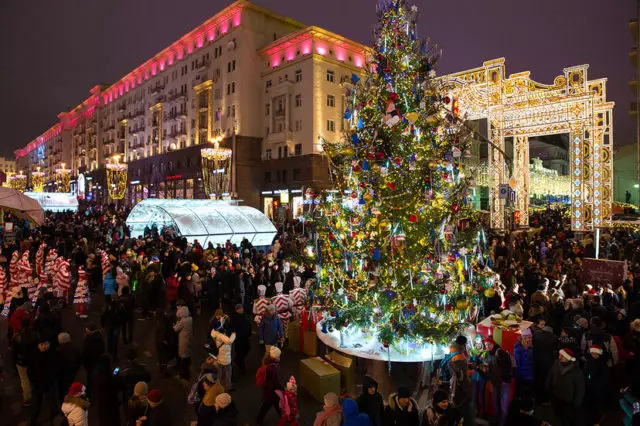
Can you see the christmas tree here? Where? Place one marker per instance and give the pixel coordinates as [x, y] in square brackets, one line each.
[398, 249]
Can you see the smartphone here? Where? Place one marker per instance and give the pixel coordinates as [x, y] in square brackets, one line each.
[115, 370]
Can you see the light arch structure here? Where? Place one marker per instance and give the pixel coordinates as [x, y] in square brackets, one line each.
[518, 107]
[203, 220]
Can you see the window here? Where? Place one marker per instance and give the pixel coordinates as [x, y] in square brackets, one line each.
[331, 126]
[298, 100]
[267, 154]
[231, 66]
[286, 151]
[298, 151]
[279, 152]
[233, 110]
[269, 83]
[331, 101]
[267, 177]
[266, 131]
[296, 175]
[228, 88]
[217, 94]
[233, 87]
[298, 76]
[331, 76]
[267, 109]
[284, 176]
[228, 110]
[298, 125]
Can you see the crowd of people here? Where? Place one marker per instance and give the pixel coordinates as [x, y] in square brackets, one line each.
[579, 349]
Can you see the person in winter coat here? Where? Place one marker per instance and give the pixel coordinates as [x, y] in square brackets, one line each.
[173, 283]
[289, 404]
[69, 362]
[159, 413]
[122, 280]
[165, 340]
[597, 384]
[105, 393]
[352, 417]
[331, 414]
[370, 401]
[441, 413]
[137, 405]
[92, 349]
[272, 384]
[242, 328]
[42, 373]
[270, 331]
[544, 344]
[479, 377]
[226, 411]
[127, 305]
[184, 328]
[224, 344]
[24, 345]
[523, 354]
[402, 409]
[566, 384]
[109, 285]
[501, 369]
[131, 373]
[207, 408]
[75, 406]
[461, 392]
[111, 322]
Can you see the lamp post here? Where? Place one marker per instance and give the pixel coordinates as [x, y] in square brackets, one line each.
[20, 181]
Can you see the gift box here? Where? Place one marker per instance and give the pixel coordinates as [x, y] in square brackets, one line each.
[310, 343]
[346, 366]
[506, 337]
[319, 378]
[293, 334]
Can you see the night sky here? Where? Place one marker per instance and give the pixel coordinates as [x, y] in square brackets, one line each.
[55, 51]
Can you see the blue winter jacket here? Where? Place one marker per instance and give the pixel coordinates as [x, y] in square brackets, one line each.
[524, 362]
[271, 329]
[109, 284]
[352, 417]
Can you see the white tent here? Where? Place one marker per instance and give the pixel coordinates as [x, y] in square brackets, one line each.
[21, 205]
[203, 220]
[55, 201]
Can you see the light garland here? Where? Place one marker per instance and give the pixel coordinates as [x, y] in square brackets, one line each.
[117, 174]
[19, 181]
[37, 180]
[216, 168]
[63, 179]
[546, 182]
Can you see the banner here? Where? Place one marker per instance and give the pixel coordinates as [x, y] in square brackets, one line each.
[602, 272]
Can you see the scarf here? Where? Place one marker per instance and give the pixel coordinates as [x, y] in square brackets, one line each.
[322, 416]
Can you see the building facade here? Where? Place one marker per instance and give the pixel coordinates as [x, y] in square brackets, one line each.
[255, 80]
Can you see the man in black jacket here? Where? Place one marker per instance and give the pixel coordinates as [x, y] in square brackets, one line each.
[131, 373]
[545, 345]
[402, 410]
[127, 304]
[24, 344]
[43, 372]
[370, 401]
[92, 349]
[241, 327]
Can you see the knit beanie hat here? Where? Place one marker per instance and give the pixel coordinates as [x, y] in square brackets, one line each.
[568, 354]
[155, 396]
[77, 389]
[140, 389]
[223, 400]
[439, 396]
[596, 349]
[274, 352]
[64, 338]
[404, 392]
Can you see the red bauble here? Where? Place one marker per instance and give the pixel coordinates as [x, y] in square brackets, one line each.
[354, 195]
[455, 208]
[371, 156]
[393, 97]
[391, 186]
[457, 140]
[380, 155]
[353, 234]
[443, 291]
[447, 308]
[333, 314]
[397, 160]
[447, 99]
[362, 184]
[356, 168]
[413, 218]
[385, 344]
[332, 237]
[350, 297]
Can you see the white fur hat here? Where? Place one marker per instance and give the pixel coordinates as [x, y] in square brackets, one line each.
[262, 290]
[278, 287]
[296, 281]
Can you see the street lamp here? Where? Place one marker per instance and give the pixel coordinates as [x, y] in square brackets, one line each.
[64, 178]
[37, 180]
[117, 178]
[216, 167]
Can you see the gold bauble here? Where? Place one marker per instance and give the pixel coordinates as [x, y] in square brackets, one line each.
[433, 309]
[336, 253]
[367, 196]
[348, 150]
[489, 293]
[462, 304]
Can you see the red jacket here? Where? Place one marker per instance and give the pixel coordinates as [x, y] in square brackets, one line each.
[172, 289]
[17, 317]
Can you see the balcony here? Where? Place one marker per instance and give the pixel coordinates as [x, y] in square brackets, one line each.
[176, 97]
[202, 65]
[109, 142]
[110, 127]
[281, 137]
[156, 89]
[280, 112]
[202, 106]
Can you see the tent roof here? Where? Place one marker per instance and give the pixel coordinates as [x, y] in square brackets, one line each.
[21, 205]
[204, 220]
[55, 201]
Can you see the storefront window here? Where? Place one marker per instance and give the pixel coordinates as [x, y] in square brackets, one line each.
[189, 190]
[298, 207]
[161, 188]
[268, 207]
[179, 189]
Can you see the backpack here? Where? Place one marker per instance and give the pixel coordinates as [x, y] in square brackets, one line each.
[261, 376]
[445, 372]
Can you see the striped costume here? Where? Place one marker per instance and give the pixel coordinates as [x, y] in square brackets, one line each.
[81, 297]
[63, 279]
[4, 285]
[283, 305]
[298, 297]
[13, 269]
[40, 258]
[260, 304]
[50, 263]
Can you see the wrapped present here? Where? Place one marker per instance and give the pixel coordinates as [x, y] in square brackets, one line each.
[319, 377]
[293, 334]
[346, 366]
[310, 343]
[506, 337]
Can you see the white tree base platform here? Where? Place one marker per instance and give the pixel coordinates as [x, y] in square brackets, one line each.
[352, 341]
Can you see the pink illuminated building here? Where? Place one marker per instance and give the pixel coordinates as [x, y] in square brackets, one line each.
[269, 85]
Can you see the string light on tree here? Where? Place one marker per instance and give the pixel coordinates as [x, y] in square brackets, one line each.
[37, 180]
[216, 168]
[396, 236]
[117, 178]
[19, 181]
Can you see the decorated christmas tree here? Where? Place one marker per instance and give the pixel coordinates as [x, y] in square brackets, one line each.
[399, 249]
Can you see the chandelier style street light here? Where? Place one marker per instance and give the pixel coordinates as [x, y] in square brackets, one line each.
[37, 180]
[216, 168]
[64, 179]
[117, 178]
